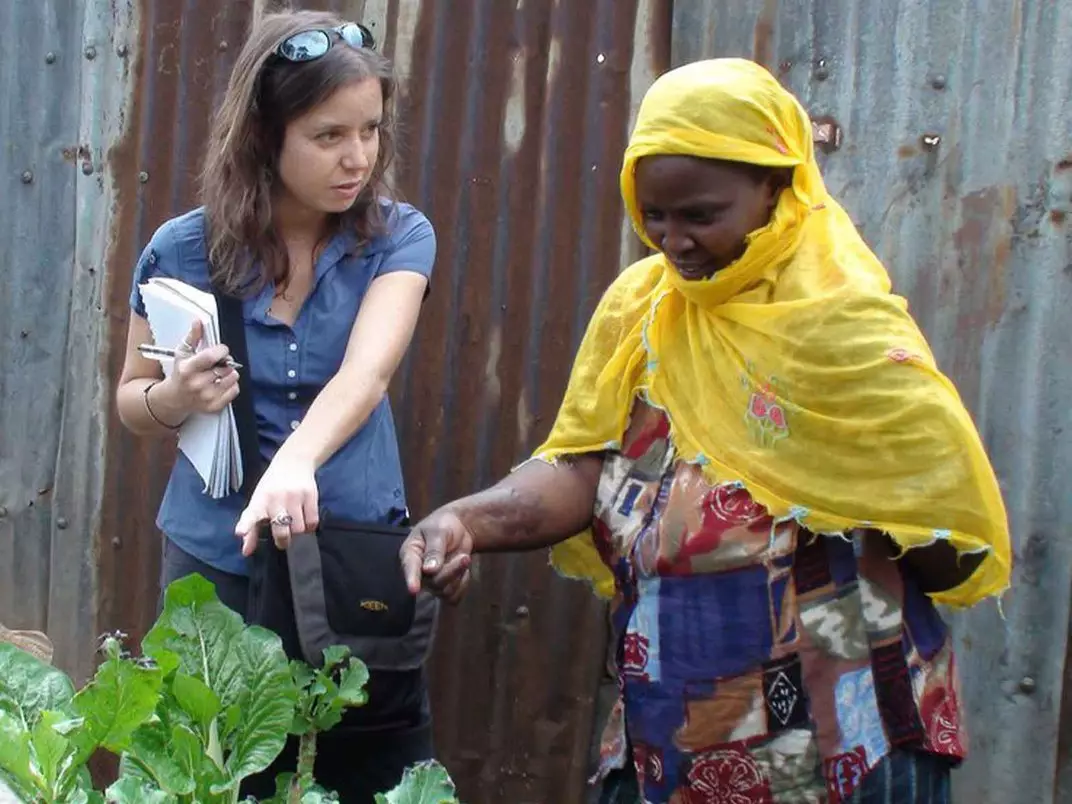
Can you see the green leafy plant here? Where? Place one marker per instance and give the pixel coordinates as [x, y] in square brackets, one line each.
[48, 732]
[426, 783]
[211, 703]
[226, 704]
[323, 695]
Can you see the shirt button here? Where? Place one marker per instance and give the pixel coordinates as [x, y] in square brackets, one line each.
[292, 395]
[294, 347]
[294, 424]
[292, 374]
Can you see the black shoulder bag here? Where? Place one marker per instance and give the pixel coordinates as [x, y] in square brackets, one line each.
[342, 585]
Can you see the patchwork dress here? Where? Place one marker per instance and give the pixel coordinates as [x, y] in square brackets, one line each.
[759, 663]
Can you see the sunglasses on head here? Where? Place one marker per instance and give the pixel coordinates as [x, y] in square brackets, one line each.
[313, 44]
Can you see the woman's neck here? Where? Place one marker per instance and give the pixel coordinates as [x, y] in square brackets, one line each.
[298, 225]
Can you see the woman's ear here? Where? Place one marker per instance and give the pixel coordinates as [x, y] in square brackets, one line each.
[778, 180]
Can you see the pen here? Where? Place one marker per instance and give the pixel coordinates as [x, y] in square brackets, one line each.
[151, 350]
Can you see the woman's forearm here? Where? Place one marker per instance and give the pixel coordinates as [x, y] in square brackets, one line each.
[938, 567]
[158, 413]
[537, 506]
[338, 411]
[380, 336]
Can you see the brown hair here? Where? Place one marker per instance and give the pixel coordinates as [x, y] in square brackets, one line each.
[264, 94]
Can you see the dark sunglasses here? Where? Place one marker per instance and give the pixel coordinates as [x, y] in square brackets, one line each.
[313, 44]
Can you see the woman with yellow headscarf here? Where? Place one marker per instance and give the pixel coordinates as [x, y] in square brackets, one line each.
[759, 459]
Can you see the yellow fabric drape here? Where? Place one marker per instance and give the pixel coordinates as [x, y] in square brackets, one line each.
[795, 371]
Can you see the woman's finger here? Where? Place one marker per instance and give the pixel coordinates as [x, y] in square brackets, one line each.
[246, 529]
[296, 508]
[411, 554]
[281, 519]
[224, 381]
[216, 395]
[189, 344]
[311, 512]
[454, 593]
[207, 358]
[463, 588]
[225, 398]
[205, 387]
[198, 383]
[452, 571]
[280, 534]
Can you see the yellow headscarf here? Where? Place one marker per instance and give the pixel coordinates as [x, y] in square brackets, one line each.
[795, 371]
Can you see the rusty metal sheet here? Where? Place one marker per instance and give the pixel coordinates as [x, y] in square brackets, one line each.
[60, 70]
[33, 308]
[179, 70]
[108, 39]
[514, 117]
[955, 159]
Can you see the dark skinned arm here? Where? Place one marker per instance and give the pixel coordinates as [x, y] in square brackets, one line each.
[542, 504]
[937, 567]
[535, 507]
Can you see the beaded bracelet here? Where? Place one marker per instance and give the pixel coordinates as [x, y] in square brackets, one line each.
[149, 410]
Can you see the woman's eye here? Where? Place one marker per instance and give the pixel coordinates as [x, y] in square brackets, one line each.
[701, 217]
[328, 136]
[370, 132]
[651, 215]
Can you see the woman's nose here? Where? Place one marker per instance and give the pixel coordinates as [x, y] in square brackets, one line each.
[676, 240]
[355, 157]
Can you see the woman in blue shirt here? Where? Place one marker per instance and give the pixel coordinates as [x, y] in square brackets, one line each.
[332, 276]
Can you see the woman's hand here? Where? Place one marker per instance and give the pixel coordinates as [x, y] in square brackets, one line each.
[536, 506]
[197, 382]
[286, 497]
[437, 554]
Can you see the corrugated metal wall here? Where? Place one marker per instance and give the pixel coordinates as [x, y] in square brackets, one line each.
[955, 158]
[181, 58]
[517, 115]
[956, 161]
[65, 80]
[514, 119]
[33, 316]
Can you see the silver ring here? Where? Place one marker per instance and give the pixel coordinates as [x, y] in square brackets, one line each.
[217, 380]
[283, 519]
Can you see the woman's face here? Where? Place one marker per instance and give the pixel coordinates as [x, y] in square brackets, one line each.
[329, 153]
[699, 211]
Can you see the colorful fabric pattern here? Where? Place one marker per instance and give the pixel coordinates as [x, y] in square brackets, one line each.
[903, 777]
[758, 663]
[795, 370]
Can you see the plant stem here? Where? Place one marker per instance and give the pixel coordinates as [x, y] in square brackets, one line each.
[303, 778]
[215, 747]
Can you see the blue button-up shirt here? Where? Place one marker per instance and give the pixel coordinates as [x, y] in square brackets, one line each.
[289, 366]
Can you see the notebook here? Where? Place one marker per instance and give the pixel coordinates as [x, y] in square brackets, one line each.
[208, 440]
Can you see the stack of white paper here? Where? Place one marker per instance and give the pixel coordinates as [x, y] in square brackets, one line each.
[209, 440]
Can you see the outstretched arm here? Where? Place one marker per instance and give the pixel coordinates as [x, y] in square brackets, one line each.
[379, 338]
[537, 506]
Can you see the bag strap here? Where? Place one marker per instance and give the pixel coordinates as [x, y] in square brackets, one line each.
[233, 333]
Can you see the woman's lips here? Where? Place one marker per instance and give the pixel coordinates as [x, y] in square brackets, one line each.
[350, 188]
[693, 270]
